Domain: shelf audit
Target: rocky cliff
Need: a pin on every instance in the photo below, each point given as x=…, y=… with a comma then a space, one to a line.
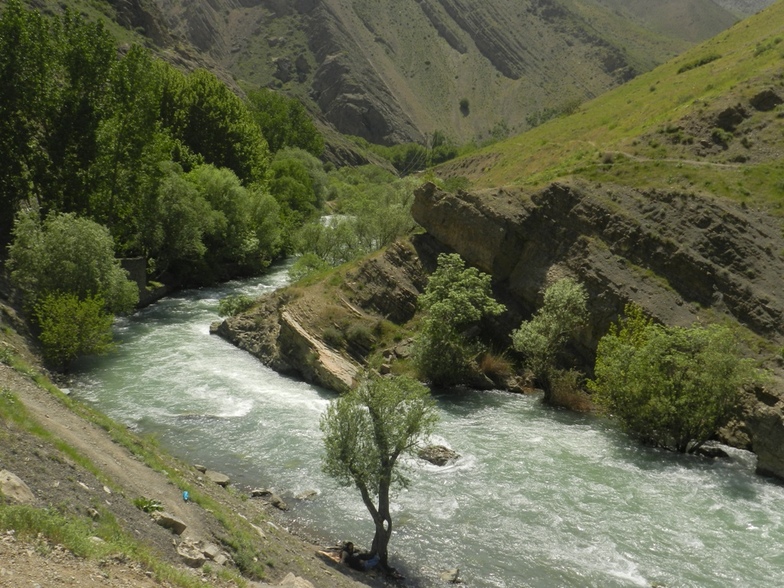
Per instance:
x=681, y=257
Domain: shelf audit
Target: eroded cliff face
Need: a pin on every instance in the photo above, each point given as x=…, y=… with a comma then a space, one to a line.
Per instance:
x=394, y=71
x=680, y=257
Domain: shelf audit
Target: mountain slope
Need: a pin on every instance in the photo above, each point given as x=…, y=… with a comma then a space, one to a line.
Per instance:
x=709, y=121
x=397, y=70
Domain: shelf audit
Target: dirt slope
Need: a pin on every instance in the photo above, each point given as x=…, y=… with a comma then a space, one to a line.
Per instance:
x=58, y=482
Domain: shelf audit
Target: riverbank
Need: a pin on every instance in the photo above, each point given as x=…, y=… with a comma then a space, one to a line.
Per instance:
x=86, y=472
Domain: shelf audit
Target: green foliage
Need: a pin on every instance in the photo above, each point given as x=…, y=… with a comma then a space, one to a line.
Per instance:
x=306, y=264
x=149, y=505
x=721, y=136
x=542, y=116
x=67, y=254
x=704, y=60
x=542, y=338
x=72, y=327
x=374, y=209
x=109, y=137
x=670, y=386
x=366, y=431
x=456, y=298
x=235, y=304
x=284, y=122
x=216, y=124
x=27, y=88
x=295, y=187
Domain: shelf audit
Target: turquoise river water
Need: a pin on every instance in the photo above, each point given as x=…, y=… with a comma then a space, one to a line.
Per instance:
x=538, y=498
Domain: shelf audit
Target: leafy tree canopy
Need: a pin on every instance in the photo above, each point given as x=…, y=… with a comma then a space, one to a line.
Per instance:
x=68, y=255
x=366, y=431
x=72, y=327
x=542, y=338
x=455, y=299
x=670, y=386
x=284, y=122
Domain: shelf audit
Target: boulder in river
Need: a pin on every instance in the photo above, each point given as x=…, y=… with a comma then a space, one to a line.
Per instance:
x=438, y=454
x=270, y=497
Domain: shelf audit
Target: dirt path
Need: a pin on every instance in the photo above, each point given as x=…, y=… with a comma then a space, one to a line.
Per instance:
x=122, y=467
x=57, y=481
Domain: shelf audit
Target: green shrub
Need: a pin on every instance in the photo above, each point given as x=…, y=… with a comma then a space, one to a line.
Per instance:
x=235, y=304
x=670, y=386
x=360, y=335
x=147, y=504
x=542, y=338
x=71, y=327
x=70, y=255
x=699, y=62
x=334, y=337
x=721, y=136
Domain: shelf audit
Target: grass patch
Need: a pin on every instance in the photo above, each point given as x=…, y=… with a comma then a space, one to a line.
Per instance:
x=47, y=527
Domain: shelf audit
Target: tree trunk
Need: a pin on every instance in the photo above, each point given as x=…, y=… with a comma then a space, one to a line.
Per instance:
x=383, y=522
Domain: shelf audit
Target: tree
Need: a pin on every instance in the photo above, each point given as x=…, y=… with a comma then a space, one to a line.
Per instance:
x=365, y=432
x=284, y=122
x=72, y=327
x=670, y=386
x=131, y=146
x=216, y=124
x=542, y=338
x=87, y=54
x=27, y=88
x=455, y=299
x=68, y=255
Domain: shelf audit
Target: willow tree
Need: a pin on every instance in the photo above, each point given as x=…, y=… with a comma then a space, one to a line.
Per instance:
x=366, y=431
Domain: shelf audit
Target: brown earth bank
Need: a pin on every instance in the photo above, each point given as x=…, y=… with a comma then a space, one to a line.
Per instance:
x=55, y=479
x=682, y=257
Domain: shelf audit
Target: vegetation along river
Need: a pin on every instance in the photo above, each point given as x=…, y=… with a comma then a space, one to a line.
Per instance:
x=539, y=497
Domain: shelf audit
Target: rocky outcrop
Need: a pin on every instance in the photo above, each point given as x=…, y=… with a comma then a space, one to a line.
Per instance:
x=680, y=257
x=274, y=335
x=673, y=254
x=282, y=330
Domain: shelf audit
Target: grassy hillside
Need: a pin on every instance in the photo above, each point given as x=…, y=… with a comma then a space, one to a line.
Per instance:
x=699, y=123
x=410, y=64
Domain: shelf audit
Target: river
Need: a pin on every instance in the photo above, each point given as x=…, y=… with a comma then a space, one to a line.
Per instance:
x=539, y=497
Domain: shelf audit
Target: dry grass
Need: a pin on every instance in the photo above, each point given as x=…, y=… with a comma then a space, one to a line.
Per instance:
x=567, y=391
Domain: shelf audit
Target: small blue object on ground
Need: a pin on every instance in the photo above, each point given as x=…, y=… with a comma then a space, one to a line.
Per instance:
x=185, y=495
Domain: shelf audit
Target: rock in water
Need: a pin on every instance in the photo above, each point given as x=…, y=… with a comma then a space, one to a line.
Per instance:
x=437, y=454
x=217, y=478
x=452, y=576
